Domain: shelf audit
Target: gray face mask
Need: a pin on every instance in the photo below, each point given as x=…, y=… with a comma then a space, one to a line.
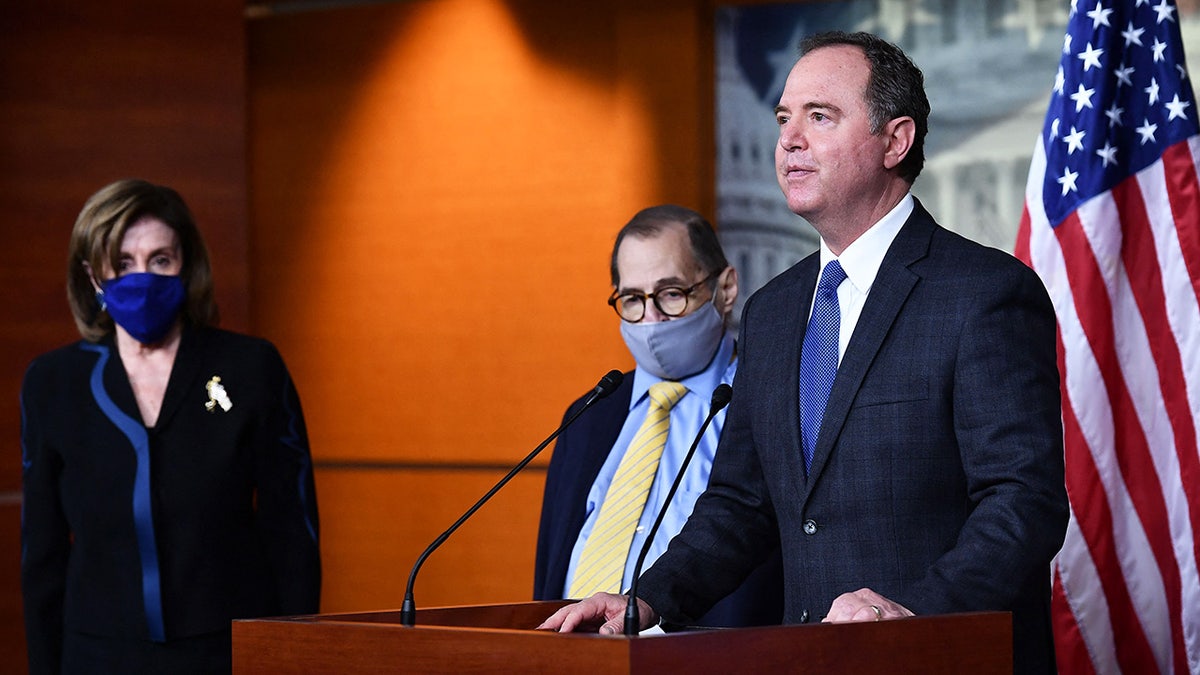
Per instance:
x=677, y=348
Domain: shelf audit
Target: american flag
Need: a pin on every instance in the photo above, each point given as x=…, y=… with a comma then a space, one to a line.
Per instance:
x=1112, y=225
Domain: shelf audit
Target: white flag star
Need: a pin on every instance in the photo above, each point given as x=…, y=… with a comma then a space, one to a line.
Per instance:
x=1099, y=16
x=1159, y=47
x=1164, y=11
x=1177, y=108
x=1054, y=129
x=1123, y=74
x=1067, y=181
x=1147, y=131
x=1083, y=98
x=1152, y=90
x=1114, y=115
x=1059, y=80
x=1133, y=36
x=1074, y=140
x=1108, y=154
x=1090, y=57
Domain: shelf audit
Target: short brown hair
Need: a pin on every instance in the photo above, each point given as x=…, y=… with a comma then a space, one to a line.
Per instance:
x=96, y=241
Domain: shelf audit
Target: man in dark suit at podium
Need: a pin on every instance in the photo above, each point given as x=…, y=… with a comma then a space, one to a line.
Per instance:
x=895, y=423
x=673, y=291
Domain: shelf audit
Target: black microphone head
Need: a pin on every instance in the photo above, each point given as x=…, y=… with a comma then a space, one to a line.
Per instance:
x=609, y=383
x=721, y=396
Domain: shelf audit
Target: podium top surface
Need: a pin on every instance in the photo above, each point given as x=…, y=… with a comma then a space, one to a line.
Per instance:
x=501, y=639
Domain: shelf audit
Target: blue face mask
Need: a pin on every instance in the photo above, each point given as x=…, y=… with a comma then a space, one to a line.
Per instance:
x=144, y=304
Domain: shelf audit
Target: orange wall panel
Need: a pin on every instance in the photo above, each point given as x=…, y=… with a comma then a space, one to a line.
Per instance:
x=435, y=187
x=374, y=525
x=432, y=230
x=433, y=191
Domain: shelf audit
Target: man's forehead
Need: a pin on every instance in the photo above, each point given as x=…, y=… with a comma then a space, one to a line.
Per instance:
x=831, y=63
x=664, y=256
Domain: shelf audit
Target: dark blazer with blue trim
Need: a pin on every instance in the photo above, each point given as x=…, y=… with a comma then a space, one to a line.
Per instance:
x=937, y=479
x=223, y=513
x=578, y=456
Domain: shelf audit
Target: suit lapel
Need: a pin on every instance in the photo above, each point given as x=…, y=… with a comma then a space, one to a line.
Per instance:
x=184, y=375
x=888, y=293
x=591, y=440
x=782, y=333
x=116, y=381
x=602, y=435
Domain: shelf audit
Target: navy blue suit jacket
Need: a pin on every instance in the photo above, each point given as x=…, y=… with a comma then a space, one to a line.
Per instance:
x=232, y=502
x=937, y=479
x=578, y=457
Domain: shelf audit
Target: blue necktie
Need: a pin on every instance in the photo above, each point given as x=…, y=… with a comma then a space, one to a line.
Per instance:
x=819, y=358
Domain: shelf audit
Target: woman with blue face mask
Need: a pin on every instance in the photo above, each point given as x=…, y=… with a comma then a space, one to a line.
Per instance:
x=167, y=477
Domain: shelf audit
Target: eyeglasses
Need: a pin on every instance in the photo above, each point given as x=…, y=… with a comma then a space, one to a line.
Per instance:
x=671, y=301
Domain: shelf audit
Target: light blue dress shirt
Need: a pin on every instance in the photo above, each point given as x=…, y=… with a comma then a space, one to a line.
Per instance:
x=686, y=418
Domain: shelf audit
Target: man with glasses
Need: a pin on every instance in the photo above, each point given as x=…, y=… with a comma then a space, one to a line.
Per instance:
x=673, y=291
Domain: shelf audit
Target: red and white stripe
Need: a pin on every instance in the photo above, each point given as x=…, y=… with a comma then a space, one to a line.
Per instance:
x=1123, y=271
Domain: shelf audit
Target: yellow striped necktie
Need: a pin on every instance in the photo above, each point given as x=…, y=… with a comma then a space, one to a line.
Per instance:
x=602, y=562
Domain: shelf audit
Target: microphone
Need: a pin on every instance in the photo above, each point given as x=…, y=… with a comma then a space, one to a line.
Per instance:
x=720, y=398
x=607, y=385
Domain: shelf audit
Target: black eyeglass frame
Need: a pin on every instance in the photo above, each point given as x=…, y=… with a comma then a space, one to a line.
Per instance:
x=687, y=295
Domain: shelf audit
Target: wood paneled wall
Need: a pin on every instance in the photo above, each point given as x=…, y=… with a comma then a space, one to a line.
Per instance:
x=435, y=187
x=414, y=200
x=91, y=92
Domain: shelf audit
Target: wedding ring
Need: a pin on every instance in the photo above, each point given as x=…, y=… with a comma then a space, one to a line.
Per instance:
x=878, y=612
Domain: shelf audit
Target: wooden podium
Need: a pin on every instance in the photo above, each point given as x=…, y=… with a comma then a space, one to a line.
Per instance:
x=501, y=639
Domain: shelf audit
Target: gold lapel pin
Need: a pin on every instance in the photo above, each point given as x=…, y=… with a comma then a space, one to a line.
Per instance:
x=217, y=396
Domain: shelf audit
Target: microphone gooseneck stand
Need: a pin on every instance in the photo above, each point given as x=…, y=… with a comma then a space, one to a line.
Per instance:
x=720, y=398
x=408, y=610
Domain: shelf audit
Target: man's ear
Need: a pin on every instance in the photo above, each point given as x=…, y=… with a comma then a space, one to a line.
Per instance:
x=727, y=290
x=899, y=134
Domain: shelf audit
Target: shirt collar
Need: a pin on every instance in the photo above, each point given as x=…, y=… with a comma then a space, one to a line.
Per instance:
x=862, y=258
x=702, y=383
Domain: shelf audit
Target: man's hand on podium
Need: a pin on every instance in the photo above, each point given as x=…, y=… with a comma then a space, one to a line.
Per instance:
x=864, y=605
x=603, y=613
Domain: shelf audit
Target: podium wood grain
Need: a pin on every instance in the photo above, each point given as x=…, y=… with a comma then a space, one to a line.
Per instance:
x=501, y=639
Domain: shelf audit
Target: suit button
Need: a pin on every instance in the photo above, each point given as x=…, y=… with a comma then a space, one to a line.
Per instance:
x=810, y=526
x=804, y=616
